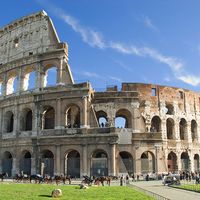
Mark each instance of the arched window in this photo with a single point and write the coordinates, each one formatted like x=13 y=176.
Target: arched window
x=170 y=128
x=99 y=163
x=12 y=85
x=72 y=164
x=50 y=78
x=29 y=81
x=48 y=118
x=102 y=118
x=172 y=162
x=155 y=124
x=7 y=163
x=72 y=117
x=147 y=162
x=47 y=163
x=170 y=109
x=194 y=129
x=8 y=122
x=26 y=120
x=123 y=119
x=185 y=161
x=183 y=129
x=125 y=163
x=1 y=89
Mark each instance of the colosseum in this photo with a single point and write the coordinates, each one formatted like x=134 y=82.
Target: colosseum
x=51 y=125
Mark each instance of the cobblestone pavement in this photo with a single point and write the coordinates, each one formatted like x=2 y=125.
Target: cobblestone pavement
x=167 y=192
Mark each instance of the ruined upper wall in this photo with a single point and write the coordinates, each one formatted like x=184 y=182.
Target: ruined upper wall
x=27 y=36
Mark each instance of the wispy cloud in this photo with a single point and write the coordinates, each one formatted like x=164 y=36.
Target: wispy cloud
x=96 y=40
x=149 y=24
x=115 y=79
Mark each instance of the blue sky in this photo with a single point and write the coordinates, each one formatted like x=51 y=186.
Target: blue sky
x=111 y=41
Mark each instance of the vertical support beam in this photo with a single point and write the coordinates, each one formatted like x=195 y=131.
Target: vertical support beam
x=112 y=170
x=4 y=84
x=57 y=161
x=39 y=77
x=84 y=114
x=58 y=119
x=33 y=165
x=84 y=167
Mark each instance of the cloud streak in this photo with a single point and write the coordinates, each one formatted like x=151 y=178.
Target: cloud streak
x=96 y=40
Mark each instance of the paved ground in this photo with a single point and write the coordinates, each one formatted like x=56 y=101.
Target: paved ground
x=167 y=192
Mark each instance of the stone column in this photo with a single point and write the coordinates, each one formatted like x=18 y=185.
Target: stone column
x=179 y=162
x=20 y=81
x=39 y=77
x=84 y=168
x=33 y=165
x=1 y=165
x=15 y=166
x=189 y=132
x=177 y=130
x=112 y=170
x=57 y=161
x=4 y=84
x=164 y=129
x=16 y=119
x=58 y=117
x=84 y=115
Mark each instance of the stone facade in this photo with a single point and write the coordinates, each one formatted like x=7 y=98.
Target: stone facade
x=68 y=128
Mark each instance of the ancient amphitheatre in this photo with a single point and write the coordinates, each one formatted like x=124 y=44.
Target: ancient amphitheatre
x=68 y=128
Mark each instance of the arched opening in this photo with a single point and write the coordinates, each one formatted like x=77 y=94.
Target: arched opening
x=29 y=81
x=12 y=85
x=185 y=162
x=50 y=78
x=102 y=118
x=7 y=163
x=72 y=115
x=47 y=163
x=26 y=120
x=194 y=129
x=170 y=109
x=147 y=162
x=172 y=162
x=8 y=122
x=155 y=124
x=125 y=163
x=99 y=163
x=1 y=89
x=196 y=163
x=123 y=119
x=48 y=119
x=183 y=129
x=170 y=128
x=25 y=163
x=72 y=164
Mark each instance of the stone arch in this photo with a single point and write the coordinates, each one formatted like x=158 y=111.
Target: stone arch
x=102 y=118
x=8 y=122
x=50 y=78
x=7 y=163
x=72 y=164
x=183 y=129
x=12 y=85
x=155 y=124
x=72 y=116
x=123 y=118
x=25 y=162
x=170 y=109
x=47 y=163
x=194 y=129
x=172 y=162
x=185 y=161
x=48 y=117
x=26 y=119
x=147 y=162
x=170 y=127
x=126 y=163
x=99 y=163
x=196 y=163
x=29 y=78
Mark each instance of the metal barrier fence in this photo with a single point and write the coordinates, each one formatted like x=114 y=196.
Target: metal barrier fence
x=152 y=194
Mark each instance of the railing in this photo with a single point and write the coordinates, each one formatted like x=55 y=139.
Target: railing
x=152 y=194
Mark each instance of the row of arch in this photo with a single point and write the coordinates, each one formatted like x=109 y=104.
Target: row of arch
x=72 y=119
x=28 y=80
x=99 y=163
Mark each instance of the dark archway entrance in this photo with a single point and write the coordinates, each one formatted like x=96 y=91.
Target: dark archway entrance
x=172 y=162
x=72 y=163
x=125 y=163
x=147 y=162
x=99 y=163
x=7 y=162
x=25 y=163
x=47 y=164
x=185 y=162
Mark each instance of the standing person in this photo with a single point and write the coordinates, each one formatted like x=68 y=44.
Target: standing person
x=127 y=179
x=121 y=180
x=133 y=178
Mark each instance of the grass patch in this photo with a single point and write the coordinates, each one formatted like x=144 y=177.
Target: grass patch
x=43 y=192
x=190 y=187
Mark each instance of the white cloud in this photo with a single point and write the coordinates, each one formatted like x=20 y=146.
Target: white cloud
x=91 y=74
x=149 y=24
x=190 y=79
